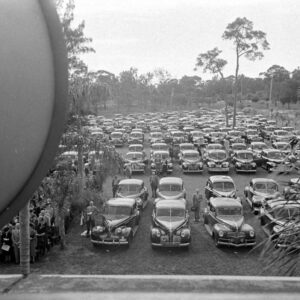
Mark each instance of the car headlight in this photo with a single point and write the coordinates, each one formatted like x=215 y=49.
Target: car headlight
x=185 y=233
x=221 y=233
x=211 y=164
x=118 y=230
x=257 y=199
x=253 y=164
x=98 y=229
x=251 y=233
x=156 y=232
x=225 y=164
x=238 y=164
x=138 y=201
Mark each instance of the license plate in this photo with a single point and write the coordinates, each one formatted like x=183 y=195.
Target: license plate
x=176 y=239
x=164 y=239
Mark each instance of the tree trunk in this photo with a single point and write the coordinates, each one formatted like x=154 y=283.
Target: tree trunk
x=25 y=240
x=235 y=88
x=61 y=227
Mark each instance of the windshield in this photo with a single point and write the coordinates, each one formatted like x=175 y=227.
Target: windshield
x=191 y=156
x=197 y=134
x=234 y=133
x=217 y=155
x=134 y=156
x=178 y=134
x=266 y=187
x=160 y=147
x=117 y=210
x=229 y=211
x=161 y=156
x=156 y=135
x=260 y=146
x=283 y=146
x=173 y=212
x=116 y=135
x=129 y=188
x=245 y=155
x=170 y=188
x=213 y=147
x=136 y=148
x=286 y=212
x=282 y=133
x=275 y=155
x=239 y=147
x=136 y=135
x=225 y=186
x=186 y=147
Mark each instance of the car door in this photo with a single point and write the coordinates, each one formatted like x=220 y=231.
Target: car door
x=208 y=189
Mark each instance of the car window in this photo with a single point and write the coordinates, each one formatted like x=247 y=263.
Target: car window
x=223 y=186
x=229 y=211
x=117 y=210
x=170 y=212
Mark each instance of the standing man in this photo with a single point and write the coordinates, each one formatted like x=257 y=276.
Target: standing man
x=16 y=242
x=197 y=198
x=115 y=183
x=91 y=211
x=154 y=183
x=128 y=171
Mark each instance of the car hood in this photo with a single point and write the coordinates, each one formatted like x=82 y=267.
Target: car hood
x=170 y=195
x=233 y=222
x=244 y=161
x=277 y=161
x=191 y=161
x=170 y=224
x=224 y=194
x=128 y=195
x=138 y=161
x=112 y=222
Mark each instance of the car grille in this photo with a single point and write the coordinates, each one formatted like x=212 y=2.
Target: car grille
x=236 y=234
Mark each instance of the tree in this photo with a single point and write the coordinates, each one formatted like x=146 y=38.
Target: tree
x=249 y=43
x=278 y=75
x=211 y=62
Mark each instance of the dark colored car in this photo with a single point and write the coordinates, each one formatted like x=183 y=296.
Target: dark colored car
x=271 y=158
x=258 y=190
x=280 y=221
x=119 y=223
x=220 y=186
x=135 y=189
x=225 y=222
x=243 y=161
x=170 y=224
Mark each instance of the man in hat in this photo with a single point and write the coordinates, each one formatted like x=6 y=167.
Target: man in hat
x=153 y=183
x=115 y=183
x=197 y=198
x=91 y=211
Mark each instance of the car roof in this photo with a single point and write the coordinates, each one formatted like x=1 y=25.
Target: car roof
x=190 y=151
x=261 y=179
x=243 y=151
x=131 y=181
x=224 y=202
x=218 y=178
x=121 y=202
x=176 y=180
x=282 y=203
x=178 y=203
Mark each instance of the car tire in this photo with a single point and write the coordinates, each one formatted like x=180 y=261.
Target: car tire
x=262 y=222
x=130 y=239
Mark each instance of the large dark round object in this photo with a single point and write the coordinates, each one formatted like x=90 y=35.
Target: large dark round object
x=33 y=92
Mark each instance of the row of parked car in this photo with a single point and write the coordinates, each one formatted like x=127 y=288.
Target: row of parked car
x=223 y=214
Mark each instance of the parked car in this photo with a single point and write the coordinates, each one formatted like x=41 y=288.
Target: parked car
x=243 y=161
x=191 y=162
x=252 y=136
x=156 y=137
x=170 y=224
x=279 y=219
x=135 y=189
x=271 y=158
x=220 y=186
x=198 y=138
x=136 y=161
x=284 y=147
x=136 y=137
x=281 y=136
x=117 y=138
x=171 y=188
x=258 y=190
x=118 y=224
x=234 y=136
x=225 y=222
x=257 y=148
x=217 y=161
x=235 y=147
x=183 y=147
x=178 y=137
x=161 y=159
x=158 y=146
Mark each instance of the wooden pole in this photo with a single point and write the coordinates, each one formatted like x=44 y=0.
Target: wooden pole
x=25 y=240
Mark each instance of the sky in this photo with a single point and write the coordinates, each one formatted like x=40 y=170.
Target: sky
x=169 y=34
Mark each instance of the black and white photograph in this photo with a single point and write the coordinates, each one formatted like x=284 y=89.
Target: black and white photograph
x=149 y=149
